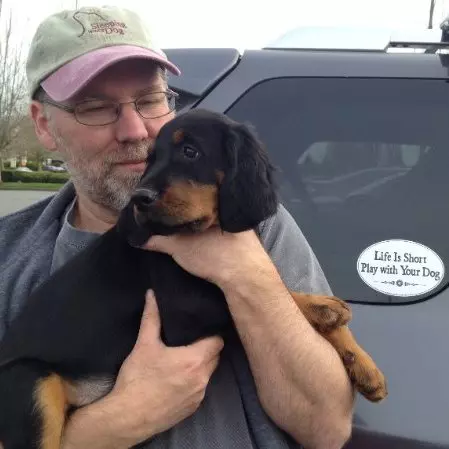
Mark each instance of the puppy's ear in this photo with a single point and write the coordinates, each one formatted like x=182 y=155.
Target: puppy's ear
x=247 y=193
x=127 y=226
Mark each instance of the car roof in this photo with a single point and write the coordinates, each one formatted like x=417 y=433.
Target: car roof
x=339 y=63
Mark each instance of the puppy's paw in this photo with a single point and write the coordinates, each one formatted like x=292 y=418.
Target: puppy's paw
x=366 y=377
x=326 y=313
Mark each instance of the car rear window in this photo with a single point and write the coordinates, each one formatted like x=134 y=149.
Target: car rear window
x=363 y=169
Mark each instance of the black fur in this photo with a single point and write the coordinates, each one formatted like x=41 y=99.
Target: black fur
x=83 y=321
x=247 y=195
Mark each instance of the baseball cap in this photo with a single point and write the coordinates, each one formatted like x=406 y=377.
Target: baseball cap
x=71 y=47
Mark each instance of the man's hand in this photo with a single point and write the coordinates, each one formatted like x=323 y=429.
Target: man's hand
x=156 y=388
x=164 y=385
x=215 y=255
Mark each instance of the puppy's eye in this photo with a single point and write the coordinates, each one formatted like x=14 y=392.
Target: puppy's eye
x=190 y=152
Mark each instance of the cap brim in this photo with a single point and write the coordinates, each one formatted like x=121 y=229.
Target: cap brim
x=73 y=76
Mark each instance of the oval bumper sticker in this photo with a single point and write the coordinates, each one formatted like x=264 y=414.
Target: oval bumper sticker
x=400 y=268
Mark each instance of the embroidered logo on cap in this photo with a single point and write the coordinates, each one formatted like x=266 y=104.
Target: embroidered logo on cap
x=102 y=26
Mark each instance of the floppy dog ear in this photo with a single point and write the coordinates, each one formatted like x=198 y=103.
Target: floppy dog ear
x=247 y=193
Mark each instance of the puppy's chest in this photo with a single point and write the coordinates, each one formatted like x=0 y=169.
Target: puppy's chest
x=83 y=392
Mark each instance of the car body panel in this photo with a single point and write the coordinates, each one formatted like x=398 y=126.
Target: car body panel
x=410 y=341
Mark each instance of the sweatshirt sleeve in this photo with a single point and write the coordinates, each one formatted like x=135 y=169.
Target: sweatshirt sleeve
x=292 y=255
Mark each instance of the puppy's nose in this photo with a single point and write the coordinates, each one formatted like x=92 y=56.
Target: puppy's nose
x=144 y=198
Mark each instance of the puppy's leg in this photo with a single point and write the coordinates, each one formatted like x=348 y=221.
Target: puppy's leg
x=329 y=316
x=363 y=372
x=51 y=401
x=32 y=407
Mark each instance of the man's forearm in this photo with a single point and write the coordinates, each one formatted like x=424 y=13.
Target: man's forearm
x=100 y=425
x=300 y=378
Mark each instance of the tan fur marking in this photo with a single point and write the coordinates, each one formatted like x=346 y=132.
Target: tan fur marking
x=188 y=201
x=178 y=136
x=52 y=404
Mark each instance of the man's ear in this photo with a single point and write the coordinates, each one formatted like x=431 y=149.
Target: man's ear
x=247 y=193
x=41 y=128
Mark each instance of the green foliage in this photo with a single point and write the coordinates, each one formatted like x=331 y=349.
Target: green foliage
x=33 y=165
x=28 y=177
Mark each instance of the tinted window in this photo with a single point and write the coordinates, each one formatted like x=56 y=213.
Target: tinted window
x=361 y=161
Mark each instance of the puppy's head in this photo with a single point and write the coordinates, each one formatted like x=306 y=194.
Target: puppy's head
x=204 y=170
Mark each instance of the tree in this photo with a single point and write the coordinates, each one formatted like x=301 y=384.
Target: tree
x=25 y=143
x=12 y=82
x=431 y=13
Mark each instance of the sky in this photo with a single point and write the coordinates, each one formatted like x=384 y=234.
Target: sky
x=241 y=23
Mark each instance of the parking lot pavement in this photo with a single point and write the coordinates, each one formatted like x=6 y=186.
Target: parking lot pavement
x=12 y=200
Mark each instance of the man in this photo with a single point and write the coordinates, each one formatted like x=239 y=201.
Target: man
x=280 y=383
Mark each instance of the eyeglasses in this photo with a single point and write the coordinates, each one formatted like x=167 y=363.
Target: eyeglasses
x=104 y=112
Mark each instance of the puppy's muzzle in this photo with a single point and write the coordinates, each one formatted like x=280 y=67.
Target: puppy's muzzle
x=144 y=198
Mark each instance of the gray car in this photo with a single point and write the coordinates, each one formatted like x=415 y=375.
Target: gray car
x=361 y=139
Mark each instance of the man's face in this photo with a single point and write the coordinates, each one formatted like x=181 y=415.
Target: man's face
x=106 y=162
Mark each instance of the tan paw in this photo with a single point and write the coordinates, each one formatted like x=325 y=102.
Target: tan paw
x=366 y=377
x=326 y=313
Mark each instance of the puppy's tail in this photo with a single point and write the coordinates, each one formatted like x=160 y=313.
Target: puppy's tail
x=32 y=406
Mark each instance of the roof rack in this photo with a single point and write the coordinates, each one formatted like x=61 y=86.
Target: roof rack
x=364 y=39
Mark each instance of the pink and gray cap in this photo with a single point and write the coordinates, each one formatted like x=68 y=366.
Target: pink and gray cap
x=70 y=48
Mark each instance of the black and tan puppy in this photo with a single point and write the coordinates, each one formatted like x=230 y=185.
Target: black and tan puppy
x=78 y=327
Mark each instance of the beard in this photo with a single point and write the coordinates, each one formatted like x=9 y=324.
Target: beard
x=98 y=176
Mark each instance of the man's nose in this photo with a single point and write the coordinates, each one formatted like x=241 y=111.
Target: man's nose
x=130 y=125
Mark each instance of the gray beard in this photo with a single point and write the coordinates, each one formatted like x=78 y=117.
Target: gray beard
x=104 y=184
x=108 y=191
